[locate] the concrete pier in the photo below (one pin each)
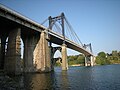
(29, 46)
(42, 54)
(86, 61)
(36, 53)
(51, 58)
(13, 54)
(64, 57)
(92, 60)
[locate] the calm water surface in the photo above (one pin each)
(76, 78)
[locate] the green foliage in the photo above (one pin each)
(102, 54)
(103, 58)
(76, 59)
(114, 53)
(81, 59)
(57, 64)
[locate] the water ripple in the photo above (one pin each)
(76, 78)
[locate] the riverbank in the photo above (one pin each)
(77, 65)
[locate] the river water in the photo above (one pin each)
(105, 77)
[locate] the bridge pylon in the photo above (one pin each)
(52, 21)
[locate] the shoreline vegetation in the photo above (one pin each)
(102, 58)
(105, 58)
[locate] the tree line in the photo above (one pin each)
(74, 60)
(105, 58)
(102, 58)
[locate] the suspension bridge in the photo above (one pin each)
(37, 39)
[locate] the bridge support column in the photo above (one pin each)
(64, 57)
(29, 46)
(86, 61)
(42, 54)
(91, 61)
(13, 54)
(51, 58)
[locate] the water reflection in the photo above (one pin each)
(36, 81)
(64, 81)
(76, 78)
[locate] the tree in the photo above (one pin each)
(102, 54)
(101, 58)
(115, 55)
(76, 59)
(80, 59)
(119, 53)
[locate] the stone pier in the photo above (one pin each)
(30, 42)
(36, 53)
(51, 58)
(92, 60)
(42, 54)
(13, 54)
(86, 61)
(36, 57)
(64, 57)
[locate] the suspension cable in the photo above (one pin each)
(69, 32)
(58, 28)
(72, 30)
(44, 21)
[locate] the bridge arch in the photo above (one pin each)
(3, 44)
(56, 56)
(22, 53)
